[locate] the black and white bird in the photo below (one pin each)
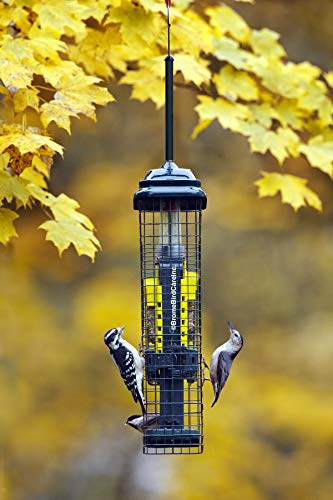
(143, 422)
(128, 361)
(221, 361)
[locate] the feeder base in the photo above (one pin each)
(171, 438)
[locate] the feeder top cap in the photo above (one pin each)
(170, 181)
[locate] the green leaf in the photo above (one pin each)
(294, 190)
(7, 229)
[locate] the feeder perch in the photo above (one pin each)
(170, 203)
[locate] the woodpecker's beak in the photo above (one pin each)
(122, 328)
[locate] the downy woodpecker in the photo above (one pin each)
(128, 361)
(143, 422)
(221, 361)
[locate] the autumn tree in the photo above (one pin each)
(57, 55)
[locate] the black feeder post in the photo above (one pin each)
(170, 201)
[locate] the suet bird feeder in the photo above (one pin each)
(170, 202)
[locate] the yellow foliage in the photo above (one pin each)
(226, 21)
(69, 225)
(228, 114)
(7, 229)
(234, 84)
(319, 152)
(293, 190)
(265, 43)
(53, 54)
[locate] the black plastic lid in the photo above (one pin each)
(170, 181)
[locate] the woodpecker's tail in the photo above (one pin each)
(142, 404)
(216, 397)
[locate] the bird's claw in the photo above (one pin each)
(204, 363)
(141, 350)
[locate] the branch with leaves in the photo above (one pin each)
(56, 54)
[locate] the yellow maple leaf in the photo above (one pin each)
(319, 152)
(314, 98)
(228, 50)
(17, 15)
(145, 86)
(7, 229)
(62, 17)
(294, 190)
(44, 44)
(24, 98)
(12, 187)
(27, 140)
(229, 115)
(93, 53)
(62, 207)
(79, 94)
(185, 37)
(97, 10)
(288, 114)
(192, 69)
(136, 24)
(280, 143)
(14, 74)
(233, 84)
(65, 232)
(69, 226)
(226, 20)
(31, 175)
(262, 113)
(40, 166)
(54, 71)
(57, 112)
(19, 49)
(265, 43)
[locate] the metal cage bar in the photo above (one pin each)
(170, 252)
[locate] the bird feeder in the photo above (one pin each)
(170, 203)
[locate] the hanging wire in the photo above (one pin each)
(168, 4)
(168, 95)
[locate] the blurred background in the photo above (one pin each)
(267, 269)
